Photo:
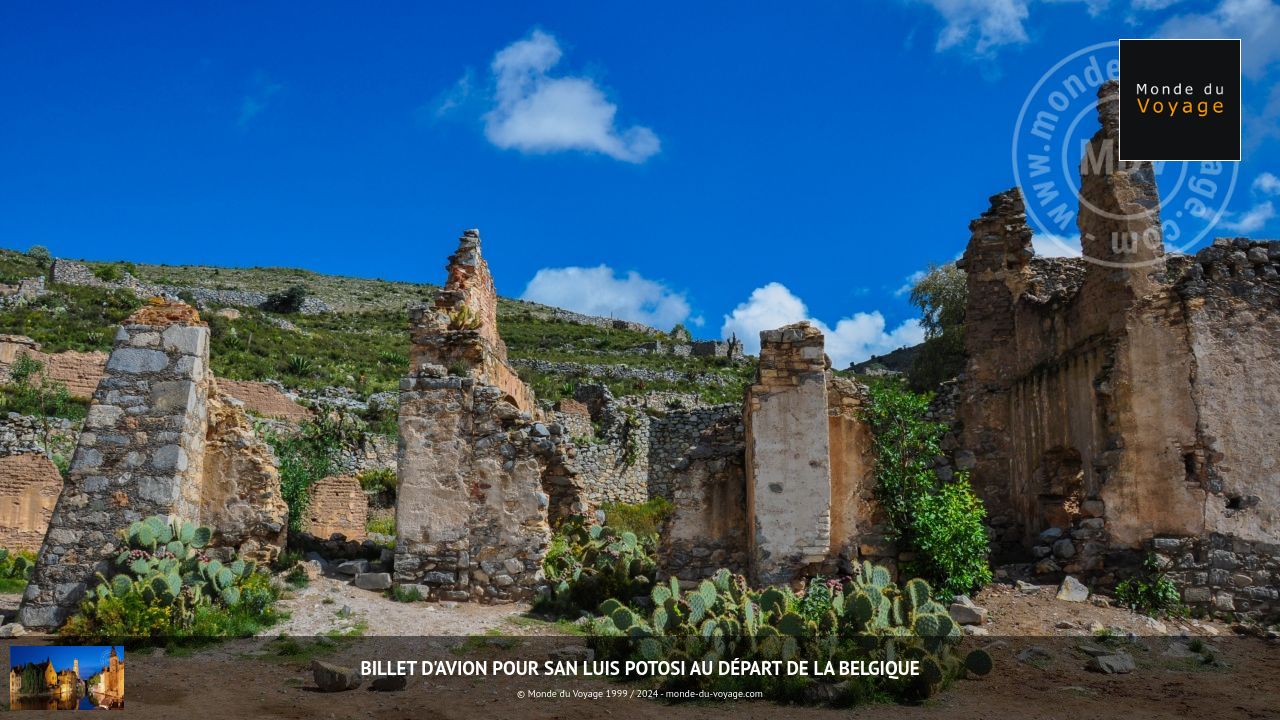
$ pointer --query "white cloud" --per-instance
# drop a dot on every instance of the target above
(853, 339)
(910, 283)
(600, 291)
(1255, 22)
(534, 112)
(1253, 220)
(1154, 4)
(1056, 245)
(1267, 184)
(256, 100)
(984, 24)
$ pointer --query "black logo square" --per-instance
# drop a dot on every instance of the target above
(1179, 100)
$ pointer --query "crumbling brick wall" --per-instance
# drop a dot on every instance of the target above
(79, 371)
(29, 488)
(1127, 403)
(338, 505)
(460, 332)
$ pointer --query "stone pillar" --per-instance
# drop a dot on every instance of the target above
(788, 455)
(140, 454)
(996, 265)
(1119, 216)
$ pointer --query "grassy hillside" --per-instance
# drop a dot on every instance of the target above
(364, 345)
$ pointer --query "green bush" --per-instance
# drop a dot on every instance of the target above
(941, 522)
(287, 301)
(1150, 591)
(30, 391)
(164, 584)
(15, 569)
(867, 618)
(41, 255)
(644, 519)
(382, 525)
(378, 480)
(310, 455)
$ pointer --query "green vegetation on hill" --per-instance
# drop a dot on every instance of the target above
(364, 345)
(71, 318)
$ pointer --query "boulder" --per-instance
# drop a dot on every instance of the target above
(1072, 590)
(354, 567)
(12, 630)
(964, 612)
(374, 581)
(1115, 664)
(334, 678)
(389, 683)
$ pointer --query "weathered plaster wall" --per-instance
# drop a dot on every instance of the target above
(787, 455)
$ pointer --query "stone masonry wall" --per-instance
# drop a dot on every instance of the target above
(139, 455)
(787, 455)
(472, 511)
(706, 530)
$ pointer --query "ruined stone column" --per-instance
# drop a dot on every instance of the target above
(140, 454)
(996, 268)
(788, 456)
(1119, 217)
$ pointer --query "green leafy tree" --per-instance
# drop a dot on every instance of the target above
(31, 391)
(287, 301)
(41, 255)
(941, 296)
(942, 522)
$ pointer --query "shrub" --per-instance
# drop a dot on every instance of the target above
(400, 593)
(286, 301)
(382, 525)
(107, 273)
(310, 455)
(164, 584)
(644, 519)
(41, 255)
(378, 480)
(1150, 591)
(15, 569)
(940, 521)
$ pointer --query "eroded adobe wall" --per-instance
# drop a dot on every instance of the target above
(240, 498)
(29, 489)
(787, 455)
(338, 505)
(859, 529)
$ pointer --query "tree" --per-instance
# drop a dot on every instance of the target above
(33, 392)
(286, 301)
(941, 296)
(41, 255)
(680, 333)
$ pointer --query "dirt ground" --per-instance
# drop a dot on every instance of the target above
(261, 679)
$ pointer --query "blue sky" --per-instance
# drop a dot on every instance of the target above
(728, 165)
(92, 658)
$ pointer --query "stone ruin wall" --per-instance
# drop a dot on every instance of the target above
(1112, 410)
(145, 450)
(461, 331)
(611, 446)
(79, 371)
(706, 530)
(481, 478)
(338, 506)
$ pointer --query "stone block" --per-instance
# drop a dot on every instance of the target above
(187, 339)
(136, 361)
